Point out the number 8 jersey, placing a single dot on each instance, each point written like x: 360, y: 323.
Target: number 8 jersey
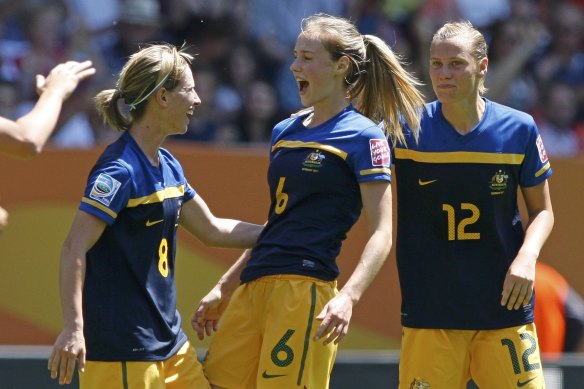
x: 129, y: 296
x: 459, y: 226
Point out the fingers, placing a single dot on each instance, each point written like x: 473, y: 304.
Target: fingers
x: 81, y: 361
x: 515, y: 295
x: 334, y: 329
x: 40, y: 82
x: 53, y: 363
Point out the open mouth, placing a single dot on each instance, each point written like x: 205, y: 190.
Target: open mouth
x: 302, y: 85
x: 190, y: 112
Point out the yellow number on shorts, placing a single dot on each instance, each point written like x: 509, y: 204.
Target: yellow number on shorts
x: 527, y: 366
x: 163, y: 258
x: 457, y: 232
x: 281, y: 197
x: 282, y: 354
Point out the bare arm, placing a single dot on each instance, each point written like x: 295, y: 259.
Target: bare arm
x: 518, y: 285
x: 336, y: 315
x: 70, y: 345
x: 197, y: 219
x: 25, y: 137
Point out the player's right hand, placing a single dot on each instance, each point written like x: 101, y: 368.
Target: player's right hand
x: 64, y: 77
x: 69, y: 347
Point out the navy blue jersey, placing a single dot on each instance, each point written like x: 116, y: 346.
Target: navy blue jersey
x: 314, y: 176
x: 459, y: 226
x: 129, y: 296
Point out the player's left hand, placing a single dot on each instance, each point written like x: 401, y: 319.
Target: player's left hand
x: 518, y: 284
x: 335, y: 318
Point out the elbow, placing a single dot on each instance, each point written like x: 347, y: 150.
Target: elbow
x: 29, y: 149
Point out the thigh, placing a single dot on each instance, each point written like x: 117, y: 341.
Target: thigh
x: 139, y: 375
x: 232, y: 357
x: 184, y: 371
x: 434, y: 358
x: 289, y: 357
x: 507, y: 358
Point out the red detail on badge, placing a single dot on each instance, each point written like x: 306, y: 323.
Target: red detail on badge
x: 380, y: 155
x: 540, y: 147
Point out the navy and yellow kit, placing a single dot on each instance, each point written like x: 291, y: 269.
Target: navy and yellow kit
x: 129, y: 298
x: 464, y: 190
x: 314, y: 178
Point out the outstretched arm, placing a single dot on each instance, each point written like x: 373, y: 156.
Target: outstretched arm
x: 197, y: 219
x: 336, y: 315
x: 25, y: 137
x: 518, y: 284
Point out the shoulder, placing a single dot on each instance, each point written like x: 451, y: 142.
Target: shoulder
x: 500, y: 112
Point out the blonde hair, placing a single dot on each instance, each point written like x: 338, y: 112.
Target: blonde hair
x: 152, y: 67
x: 478, y: 45
x: 376, y: 80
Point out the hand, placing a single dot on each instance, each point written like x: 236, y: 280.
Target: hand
x: 206, y: 318
x: 518, y: 284
x: 3, y: 218
x: 335, y: 318
x: 69, y: 346
x: 64, y: 78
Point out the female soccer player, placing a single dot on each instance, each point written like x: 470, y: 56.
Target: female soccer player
x: 466, y: 265
x: 118, y: 261
x: 326, y: 164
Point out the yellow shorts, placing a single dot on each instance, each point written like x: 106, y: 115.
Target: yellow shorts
x: 265, y: 336
x: 447, y: 359
x: 181, y: 371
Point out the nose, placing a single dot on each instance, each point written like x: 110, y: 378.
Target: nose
x: 197, y: 100
x: 294, y: 66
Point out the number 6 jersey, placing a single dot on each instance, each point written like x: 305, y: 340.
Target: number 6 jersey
x: 459, y: 226
x: 314, y: 178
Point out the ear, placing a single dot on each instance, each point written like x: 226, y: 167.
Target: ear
x: 343, y: 64
x: 161, y: 96
x: 483, y: 66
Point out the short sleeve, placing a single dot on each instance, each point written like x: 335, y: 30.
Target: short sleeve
x: 371, y: 158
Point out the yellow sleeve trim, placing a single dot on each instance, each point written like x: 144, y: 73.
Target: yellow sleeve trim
x: 375, y: 171
x: 544, y: 169
x: 99, y: 206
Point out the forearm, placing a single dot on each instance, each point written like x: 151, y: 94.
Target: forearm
x: 72, y: 275
x: 372, y: 259
x: 539, y: 228
x: 231, y: 233
x: 36, y: 127
x: 231, y: 279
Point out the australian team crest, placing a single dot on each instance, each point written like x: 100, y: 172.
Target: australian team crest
x: 313, y: 161
x: 498, y: 183
x: 419, y: 383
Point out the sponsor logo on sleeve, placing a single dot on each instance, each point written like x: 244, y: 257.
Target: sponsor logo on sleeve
x: 104, y: 189
x: 380, y: 155
x: 540, y: 147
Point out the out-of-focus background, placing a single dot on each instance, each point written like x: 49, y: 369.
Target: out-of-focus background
x: 244, y: 49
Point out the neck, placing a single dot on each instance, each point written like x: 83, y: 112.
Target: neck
x: 464, y: 117
x: 322, y: 113
x: 149, y: 143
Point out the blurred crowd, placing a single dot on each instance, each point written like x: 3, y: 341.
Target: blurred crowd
x: 244, y: 50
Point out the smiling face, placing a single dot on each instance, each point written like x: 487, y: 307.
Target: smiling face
x: 181, y: 103
x: 319, y: 78
x: 454, y: 72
